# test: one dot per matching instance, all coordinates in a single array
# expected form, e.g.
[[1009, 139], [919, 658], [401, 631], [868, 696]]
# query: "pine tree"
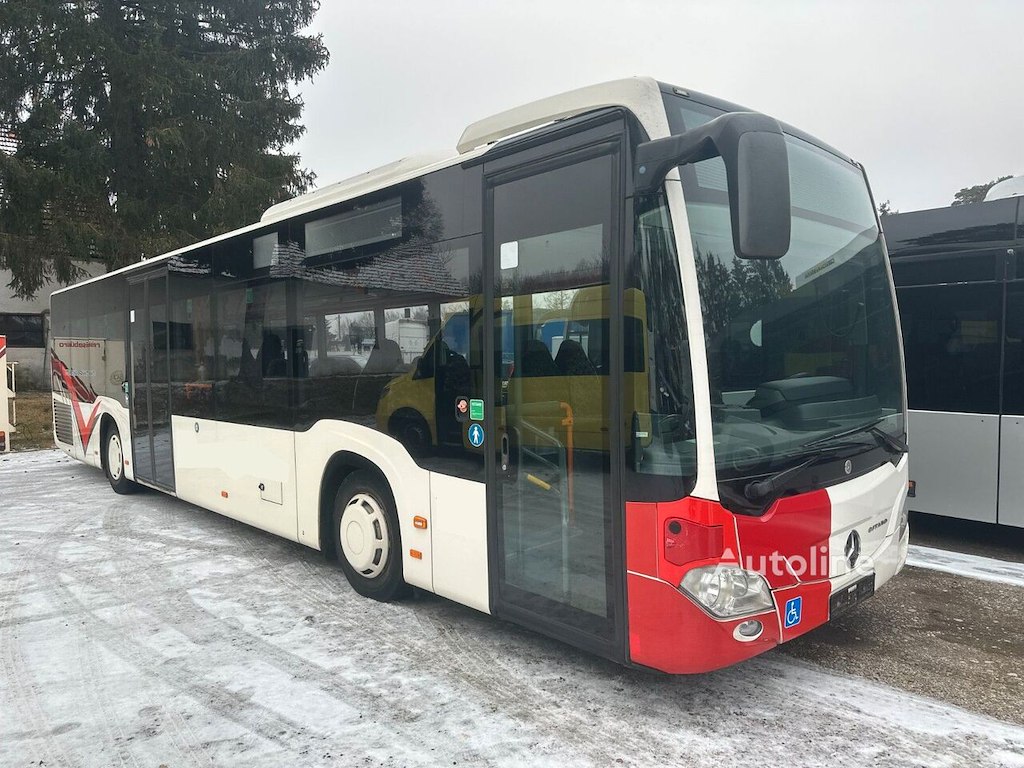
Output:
[[138, 126]]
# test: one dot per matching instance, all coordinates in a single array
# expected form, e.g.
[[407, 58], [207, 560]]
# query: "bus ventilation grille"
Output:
[[62, 422]]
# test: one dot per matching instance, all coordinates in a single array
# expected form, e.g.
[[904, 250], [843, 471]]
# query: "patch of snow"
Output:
[[971, 566]]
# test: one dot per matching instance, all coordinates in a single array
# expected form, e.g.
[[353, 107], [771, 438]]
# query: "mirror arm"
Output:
[[717, 138], [753, 149]]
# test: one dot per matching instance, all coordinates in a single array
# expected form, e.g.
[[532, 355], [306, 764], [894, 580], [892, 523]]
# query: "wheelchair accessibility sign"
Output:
[[794, 608], [476, 435]]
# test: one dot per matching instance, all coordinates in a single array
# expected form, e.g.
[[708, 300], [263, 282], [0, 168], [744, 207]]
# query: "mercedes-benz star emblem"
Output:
[[852, 548], [848, 466]]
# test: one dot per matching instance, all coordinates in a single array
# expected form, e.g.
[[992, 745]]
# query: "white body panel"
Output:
[[956, 461], [220, 466], [887, 562], [1011, 471], [459, 539], [409, 483], [869, 504]]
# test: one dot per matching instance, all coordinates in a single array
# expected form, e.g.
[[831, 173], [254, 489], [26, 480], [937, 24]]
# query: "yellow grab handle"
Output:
[[538, 482]]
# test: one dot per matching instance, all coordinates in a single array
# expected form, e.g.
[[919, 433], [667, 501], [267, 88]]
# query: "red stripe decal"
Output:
[[78, 392]]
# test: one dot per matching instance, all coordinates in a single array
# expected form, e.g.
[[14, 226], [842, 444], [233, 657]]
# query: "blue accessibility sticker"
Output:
[[794, 608], [476, 435]]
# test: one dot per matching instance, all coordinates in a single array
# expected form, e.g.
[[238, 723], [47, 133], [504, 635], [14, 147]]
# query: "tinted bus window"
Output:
[[1013, 370], [192, 342], [963, 267], [951, 341]]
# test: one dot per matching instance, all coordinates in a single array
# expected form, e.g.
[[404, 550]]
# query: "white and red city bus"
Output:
[[625, 369]]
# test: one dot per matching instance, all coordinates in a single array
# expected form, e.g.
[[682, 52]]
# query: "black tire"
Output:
[[113, 463], [367, 539]]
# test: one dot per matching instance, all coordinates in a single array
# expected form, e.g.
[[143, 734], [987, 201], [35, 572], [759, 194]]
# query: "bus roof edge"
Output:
[[353, 186], [641, 95]]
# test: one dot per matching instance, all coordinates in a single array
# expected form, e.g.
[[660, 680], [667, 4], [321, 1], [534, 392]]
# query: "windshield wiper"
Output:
[[892, 442], [759, 489], [897, 445]]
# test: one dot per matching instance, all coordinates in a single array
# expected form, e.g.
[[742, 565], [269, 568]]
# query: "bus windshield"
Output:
[[802, 347]]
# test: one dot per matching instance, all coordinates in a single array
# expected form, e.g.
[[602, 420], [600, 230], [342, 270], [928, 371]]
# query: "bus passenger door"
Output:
[[554, 509], [1011, 429], [149, 383]]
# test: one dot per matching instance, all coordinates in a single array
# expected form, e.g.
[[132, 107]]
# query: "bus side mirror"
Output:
[[757, 170]]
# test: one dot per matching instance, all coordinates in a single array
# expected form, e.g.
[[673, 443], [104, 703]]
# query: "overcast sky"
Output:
[[926, 94]]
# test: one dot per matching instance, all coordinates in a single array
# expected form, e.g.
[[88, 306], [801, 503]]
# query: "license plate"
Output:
[[846, 598]]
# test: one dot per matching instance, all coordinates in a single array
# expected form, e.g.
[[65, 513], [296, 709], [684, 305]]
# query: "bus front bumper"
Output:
[[670, 631]]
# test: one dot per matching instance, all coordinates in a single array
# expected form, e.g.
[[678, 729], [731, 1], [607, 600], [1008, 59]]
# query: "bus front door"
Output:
[[556, 565], [149, 381]]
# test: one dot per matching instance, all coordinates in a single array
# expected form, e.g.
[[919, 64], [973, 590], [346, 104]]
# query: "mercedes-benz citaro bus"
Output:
[[676, 439]]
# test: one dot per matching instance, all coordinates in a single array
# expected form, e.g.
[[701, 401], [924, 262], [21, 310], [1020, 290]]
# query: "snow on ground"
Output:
[[972, 566], [142, 630]]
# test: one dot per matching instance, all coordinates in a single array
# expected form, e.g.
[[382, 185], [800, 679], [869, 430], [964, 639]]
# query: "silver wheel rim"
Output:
[[364, 535], [115, 458]]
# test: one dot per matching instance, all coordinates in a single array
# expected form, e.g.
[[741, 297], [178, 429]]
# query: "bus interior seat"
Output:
[[456, 372], [537, 360], [572, 360]]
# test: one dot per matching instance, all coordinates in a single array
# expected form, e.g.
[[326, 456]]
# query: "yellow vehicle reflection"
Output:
[[559, 370]]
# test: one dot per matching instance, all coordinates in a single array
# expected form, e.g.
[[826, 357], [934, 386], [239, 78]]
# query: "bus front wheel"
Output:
[[113, 463], [366, 537]]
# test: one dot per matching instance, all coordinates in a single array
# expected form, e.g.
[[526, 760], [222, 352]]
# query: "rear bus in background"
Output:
[[625, 369], [959, 275]]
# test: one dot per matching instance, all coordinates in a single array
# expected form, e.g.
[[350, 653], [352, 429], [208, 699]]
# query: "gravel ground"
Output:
[[144, 631]]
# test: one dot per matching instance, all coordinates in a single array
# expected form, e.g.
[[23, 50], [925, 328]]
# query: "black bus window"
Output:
[[951, 340]]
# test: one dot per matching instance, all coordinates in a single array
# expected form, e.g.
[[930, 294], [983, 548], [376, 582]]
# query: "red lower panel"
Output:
[[814, 607], [788, 545], [668, 632]]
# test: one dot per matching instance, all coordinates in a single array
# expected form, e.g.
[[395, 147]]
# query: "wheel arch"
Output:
[[338, 467], [107, 423]]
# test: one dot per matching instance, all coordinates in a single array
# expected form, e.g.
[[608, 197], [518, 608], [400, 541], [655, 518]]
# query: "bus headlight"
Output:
[[727, 591], [904, 521]]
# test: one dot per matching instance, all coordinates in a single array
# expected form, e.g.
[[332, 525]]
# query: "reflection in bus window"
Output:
[[658, 394], [408, 326]]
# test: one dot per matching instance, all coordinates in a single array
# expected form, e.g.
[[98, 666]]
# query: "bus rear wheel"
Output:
[[366, 537], [113, 464]]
